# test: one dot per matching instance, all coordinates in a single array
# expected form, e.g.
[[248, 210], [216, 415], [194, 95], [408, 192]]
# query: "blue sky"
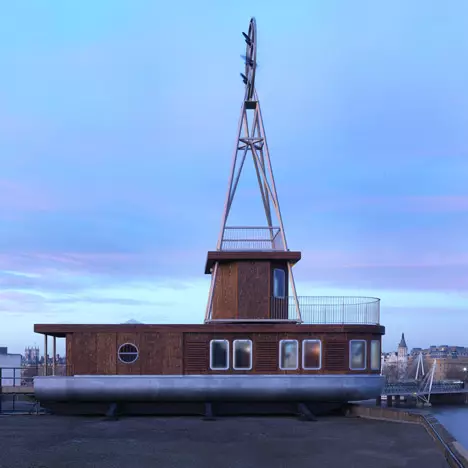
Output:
[[117, 122]]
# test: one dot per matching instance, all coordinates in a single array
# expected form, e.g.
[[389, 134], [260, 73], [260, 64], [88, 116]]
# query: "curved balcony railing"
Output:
[[339, 310]]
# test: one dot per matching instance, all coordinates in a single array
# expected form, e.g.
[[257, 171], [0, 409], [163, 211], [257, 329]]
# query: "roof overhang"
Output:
[[250, 255]]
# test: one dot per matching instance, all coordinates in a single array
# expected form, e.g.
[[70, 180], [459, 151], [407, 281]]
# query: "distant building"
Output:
[[31, 355], [10, 368], [451, 361], [395, 364]]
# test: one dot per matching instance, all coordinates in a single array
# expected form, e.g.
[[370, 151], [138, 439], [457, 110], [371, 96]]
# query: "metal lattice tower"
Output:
[[251, 140]]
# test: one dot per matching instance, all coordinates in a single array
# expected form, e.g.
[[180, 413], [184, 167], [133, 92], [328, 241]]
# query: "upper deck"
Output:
[[259, 239], [318, 310]]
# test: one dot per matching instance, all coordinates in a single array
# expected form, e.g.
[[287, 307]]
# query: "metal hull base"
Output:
[[208, 388], [219, 409]]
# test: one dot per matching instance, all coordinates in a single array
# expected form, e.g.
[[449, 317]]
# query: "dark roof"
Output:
[[250, 255]]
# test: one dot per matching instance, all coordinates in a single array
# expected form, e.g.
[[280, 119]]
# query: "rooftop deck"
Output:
[[87, 442], [320, 310]]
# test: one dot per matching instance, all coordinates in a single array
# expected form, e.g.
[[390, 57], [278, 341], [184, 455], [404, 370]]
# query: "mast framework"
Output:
[[251, 138]]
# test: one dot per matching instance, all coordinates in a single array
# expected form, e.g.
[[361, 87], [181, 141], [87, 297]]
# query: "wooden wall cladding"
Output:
[[172, 354], [254, 290], [179, 353], [106, 348], [225, 297], [84, 353]]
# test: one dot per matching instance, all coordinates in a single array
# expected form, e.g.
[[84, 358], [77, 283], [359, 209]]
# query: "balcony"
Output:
[[314, 310], [335, 310], [252, 238]]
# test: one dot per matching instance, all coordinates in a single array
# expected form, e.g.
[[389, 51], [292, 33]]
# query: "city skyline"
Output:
[[116, 150]]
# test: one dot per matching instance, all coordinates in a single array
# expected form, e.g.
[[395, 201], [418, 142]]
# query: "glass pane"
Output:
[[288, 355], [279, 283], [375, 355], [219, 354], [311, 350], [358, 355], [242, 354]]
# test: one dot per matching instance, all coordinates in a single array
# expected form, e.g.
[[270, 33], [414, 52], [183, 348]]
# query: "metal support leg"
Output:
[[111, 413], [209, 414], [304, 413]]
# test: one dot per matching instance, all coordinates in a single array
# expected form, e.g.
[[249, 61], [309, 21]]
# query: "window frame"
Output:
[[119, 353], [351, 356], [242, 340], [283, 283], [303, 354], [379, 344], [211, 355], [281, 355]]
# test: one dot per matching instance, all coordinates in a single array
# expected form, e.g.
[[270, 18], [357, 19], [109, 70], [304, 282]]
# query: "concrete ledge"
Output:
[[455, 454]]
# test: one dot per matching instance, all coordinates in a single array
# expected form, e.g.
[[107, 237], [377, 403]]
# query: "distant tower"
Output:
[[402, 348], [402, 357]]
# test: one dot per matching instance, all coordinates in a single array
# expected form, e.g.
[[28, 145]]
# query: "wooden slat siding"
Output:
[[60, 330], [150, 353], [254, 283], [225, 296], [265, 358], [68, 353], [106, 344], [196, 354], [172, 354], [336, 355], [134, 367], [84, 353]]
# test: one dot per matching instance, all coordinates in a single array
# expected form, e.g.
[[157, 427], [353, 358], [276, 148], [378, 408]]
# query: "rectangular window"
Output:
[[357, 354], [311, 354], [219, 354], [289, 356], [279, 283], [242, 354], [375, 355]]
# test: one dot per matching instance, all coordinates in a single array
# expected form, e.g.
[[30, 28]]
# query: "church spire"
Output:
[[402, 342]]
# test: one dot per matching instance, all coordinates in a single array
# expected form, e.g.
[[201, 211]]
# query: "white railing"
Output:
[[336, 310], [339, 310], [252, 238]]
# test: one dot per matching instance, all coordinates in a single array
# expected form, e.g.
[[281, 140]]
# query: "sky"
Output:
[[117, 124]]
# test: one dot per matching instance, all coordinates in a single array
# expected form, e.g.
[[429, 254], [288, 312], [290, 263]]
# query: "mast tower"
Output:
[[251, 269]]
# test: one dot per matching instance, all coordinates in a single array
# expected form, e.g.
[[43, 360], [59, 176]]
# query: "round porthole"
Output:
[[128, 353]]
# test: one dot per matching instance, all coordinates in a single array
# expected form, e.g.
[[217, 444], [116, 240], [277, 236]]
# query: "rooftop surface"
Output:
[[84, 442]]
